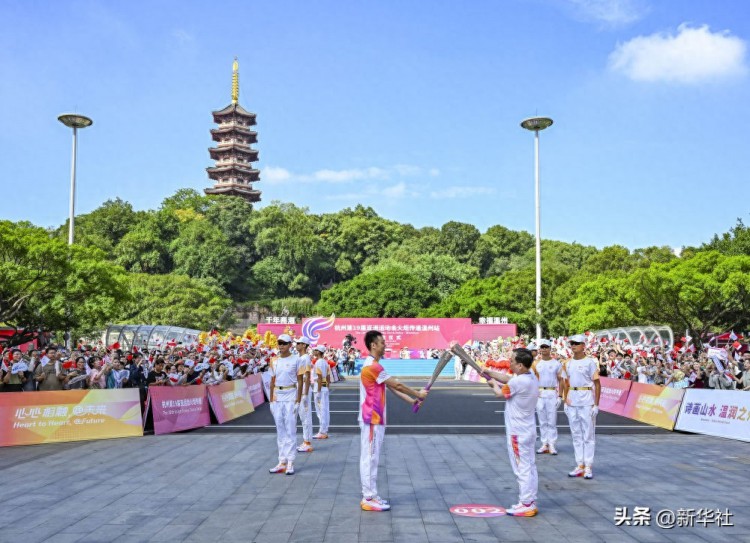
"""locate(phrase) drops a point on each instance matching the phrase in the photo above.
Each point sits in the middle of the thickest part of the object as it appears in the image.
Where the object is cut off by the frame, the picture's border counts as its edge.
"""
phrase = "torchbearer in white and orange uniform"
(521, 391)
(548, 370)
(285, 395)
(581, 396)
(305, 405)
(373, 382)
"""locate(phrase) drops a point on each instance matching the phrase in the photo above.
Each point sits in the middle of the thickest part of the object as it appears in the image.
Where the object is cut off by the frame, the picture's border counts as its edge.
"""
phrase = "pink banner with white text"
(179, 408)
(255, 387)
(614, 395)
(410, 334)
(230, 399)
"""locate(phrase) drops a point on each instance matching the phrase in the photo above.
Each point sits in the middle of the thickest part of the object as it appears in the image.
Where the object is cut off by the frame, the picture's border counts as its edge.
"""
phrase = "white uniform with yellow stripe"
(284, 393)
(305, 407)
(580, 375)
(547, 372)
(322, 381)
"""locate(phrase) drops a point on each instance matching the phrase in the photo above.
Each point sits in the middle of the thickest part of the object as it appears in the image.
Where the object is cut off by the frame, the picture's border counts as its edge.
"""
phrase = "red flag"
(69, 365)
(736, 344)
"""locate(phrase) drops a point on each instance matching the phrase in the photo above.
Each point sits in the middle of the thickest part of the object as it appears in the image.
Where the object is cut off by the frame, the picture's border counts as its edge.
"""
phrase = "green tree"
(290, 257)
(734, 242)
(145, 248)
(383, 293)
(176, 300)
(495, 248)
(202, 251)
(104, 227)
(356, 238)
(459, 239)
(443, 273)
(46, 285)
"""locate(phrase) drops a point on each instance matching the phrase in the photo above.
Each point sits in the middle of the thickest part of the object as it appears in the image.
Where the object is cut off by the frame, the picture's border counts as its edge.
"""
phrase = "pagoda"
(233, 171)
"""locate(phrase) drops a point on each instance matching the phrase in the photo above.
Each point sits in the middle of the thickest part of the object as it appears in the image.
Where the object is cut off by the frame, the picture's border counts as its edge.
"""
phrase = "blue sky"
(412, 108)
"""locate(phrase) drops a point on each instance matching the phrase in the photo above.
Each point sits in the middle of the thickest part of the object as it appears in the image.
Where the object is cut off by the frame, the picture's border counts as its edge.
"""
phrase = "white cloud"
(609, 12)
(693, 55)
(276, 175)
(394, 192)
(461, 192)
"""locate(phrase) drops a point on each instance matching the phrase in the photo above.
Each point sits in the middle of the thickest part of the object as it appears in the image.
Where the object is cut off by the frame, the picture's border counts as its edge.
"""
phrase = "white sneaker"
(290, 469)
(522, 510)
(305, 447)
(382, 500)
(552, 450)
(587, 473)
(543, 449)
(374, 504)
(278, 468)
(578, 472)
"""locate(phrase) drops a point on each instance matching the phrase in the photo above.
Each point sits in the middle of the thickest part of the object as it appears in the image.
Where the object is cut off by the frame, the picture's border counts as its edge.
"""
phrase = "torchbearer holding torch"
(374, 380)
(521, 391)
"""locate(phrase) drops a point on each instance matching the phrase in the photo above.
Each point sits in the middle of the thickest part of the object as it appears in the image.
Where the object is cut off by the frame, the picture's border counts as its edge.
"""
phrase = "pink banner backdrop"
(614, 395)
(255, 387)
(230, 400)
(414, 334)
(488, 332)
(654, 404)
(179, 408)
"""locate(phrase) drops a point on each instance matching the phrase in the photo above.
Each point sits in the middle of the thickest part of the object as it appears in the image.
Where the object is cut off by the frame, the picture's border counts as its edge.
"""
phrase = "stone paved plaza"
(197, 487)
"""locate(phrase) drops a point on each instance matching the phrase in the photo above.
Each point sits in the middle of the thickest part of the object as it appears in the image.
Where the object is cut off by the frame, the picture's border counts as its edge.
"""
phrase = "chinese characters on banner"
(178, 408)
(68, 415)
(654, 404)
(413, 334)
(230, 400)
(721, 413)
(614, 395)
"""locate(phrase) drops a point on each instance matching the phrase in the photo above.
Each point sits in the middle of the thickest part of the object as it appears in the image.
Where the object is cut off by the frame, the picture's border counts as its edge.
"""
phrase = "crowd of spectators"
(675, 367)
(88, 367)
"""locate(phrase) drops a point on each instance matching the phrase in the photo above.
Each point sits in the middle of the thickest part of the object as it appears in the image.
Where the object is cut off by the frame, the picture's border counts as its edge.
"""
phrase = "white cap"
(285, 337)
(302, 339)
(544, 341)
(320, 348)
(578, 338)
(532, 347)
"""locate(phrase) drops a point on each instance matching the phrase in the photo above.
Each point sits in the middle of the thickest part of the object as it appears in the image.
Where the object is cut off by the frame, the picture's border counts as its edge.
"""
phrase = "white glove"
(558, 402)
(296, 407)
(594, 411)
(303, 400)
(565, 408)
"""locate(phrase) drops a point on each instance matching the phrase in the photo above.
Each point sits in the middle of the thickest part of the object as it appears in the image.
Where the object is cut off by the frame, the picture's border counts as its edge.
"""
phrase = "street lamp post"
(536, 124)
(74, 121)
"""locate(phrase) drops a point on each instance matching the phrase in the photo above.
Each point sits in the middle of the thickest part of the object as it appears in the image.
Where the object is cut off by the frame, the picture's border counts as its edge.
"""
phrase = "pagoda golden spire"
(235, 81)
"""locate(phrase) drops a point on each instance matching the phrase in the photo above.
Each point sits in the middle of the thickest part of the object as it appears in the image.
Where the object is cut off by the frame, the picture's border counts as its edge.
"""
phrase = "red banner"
(179, 408)
(654, 404)
(413, 334)
(255, 387)
(614, 395)
(230, 399)
(28, 418)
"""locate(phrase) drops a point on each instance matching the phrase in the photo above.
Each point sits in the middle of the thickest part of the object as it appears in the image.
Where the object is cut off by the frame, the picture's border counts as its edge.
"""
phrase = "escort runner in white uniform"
(521, 391)
(581, 396)
(548, 370)
(305, 405)
(286, 392)
(321, 382)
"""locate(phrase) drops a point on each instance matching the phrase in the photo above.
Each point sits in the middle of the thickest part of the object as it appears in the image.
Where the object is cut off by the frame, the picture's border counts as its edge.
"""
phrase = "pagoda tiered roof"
(224, 131)
(234, 110)
(233, 170)
(233, 149)
(235, 189)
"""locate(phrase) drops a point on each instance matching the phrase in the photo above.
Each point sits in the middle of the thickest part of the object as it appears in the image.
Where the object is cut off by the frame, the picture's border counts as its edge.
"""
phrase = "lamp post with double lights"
(537, 124)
